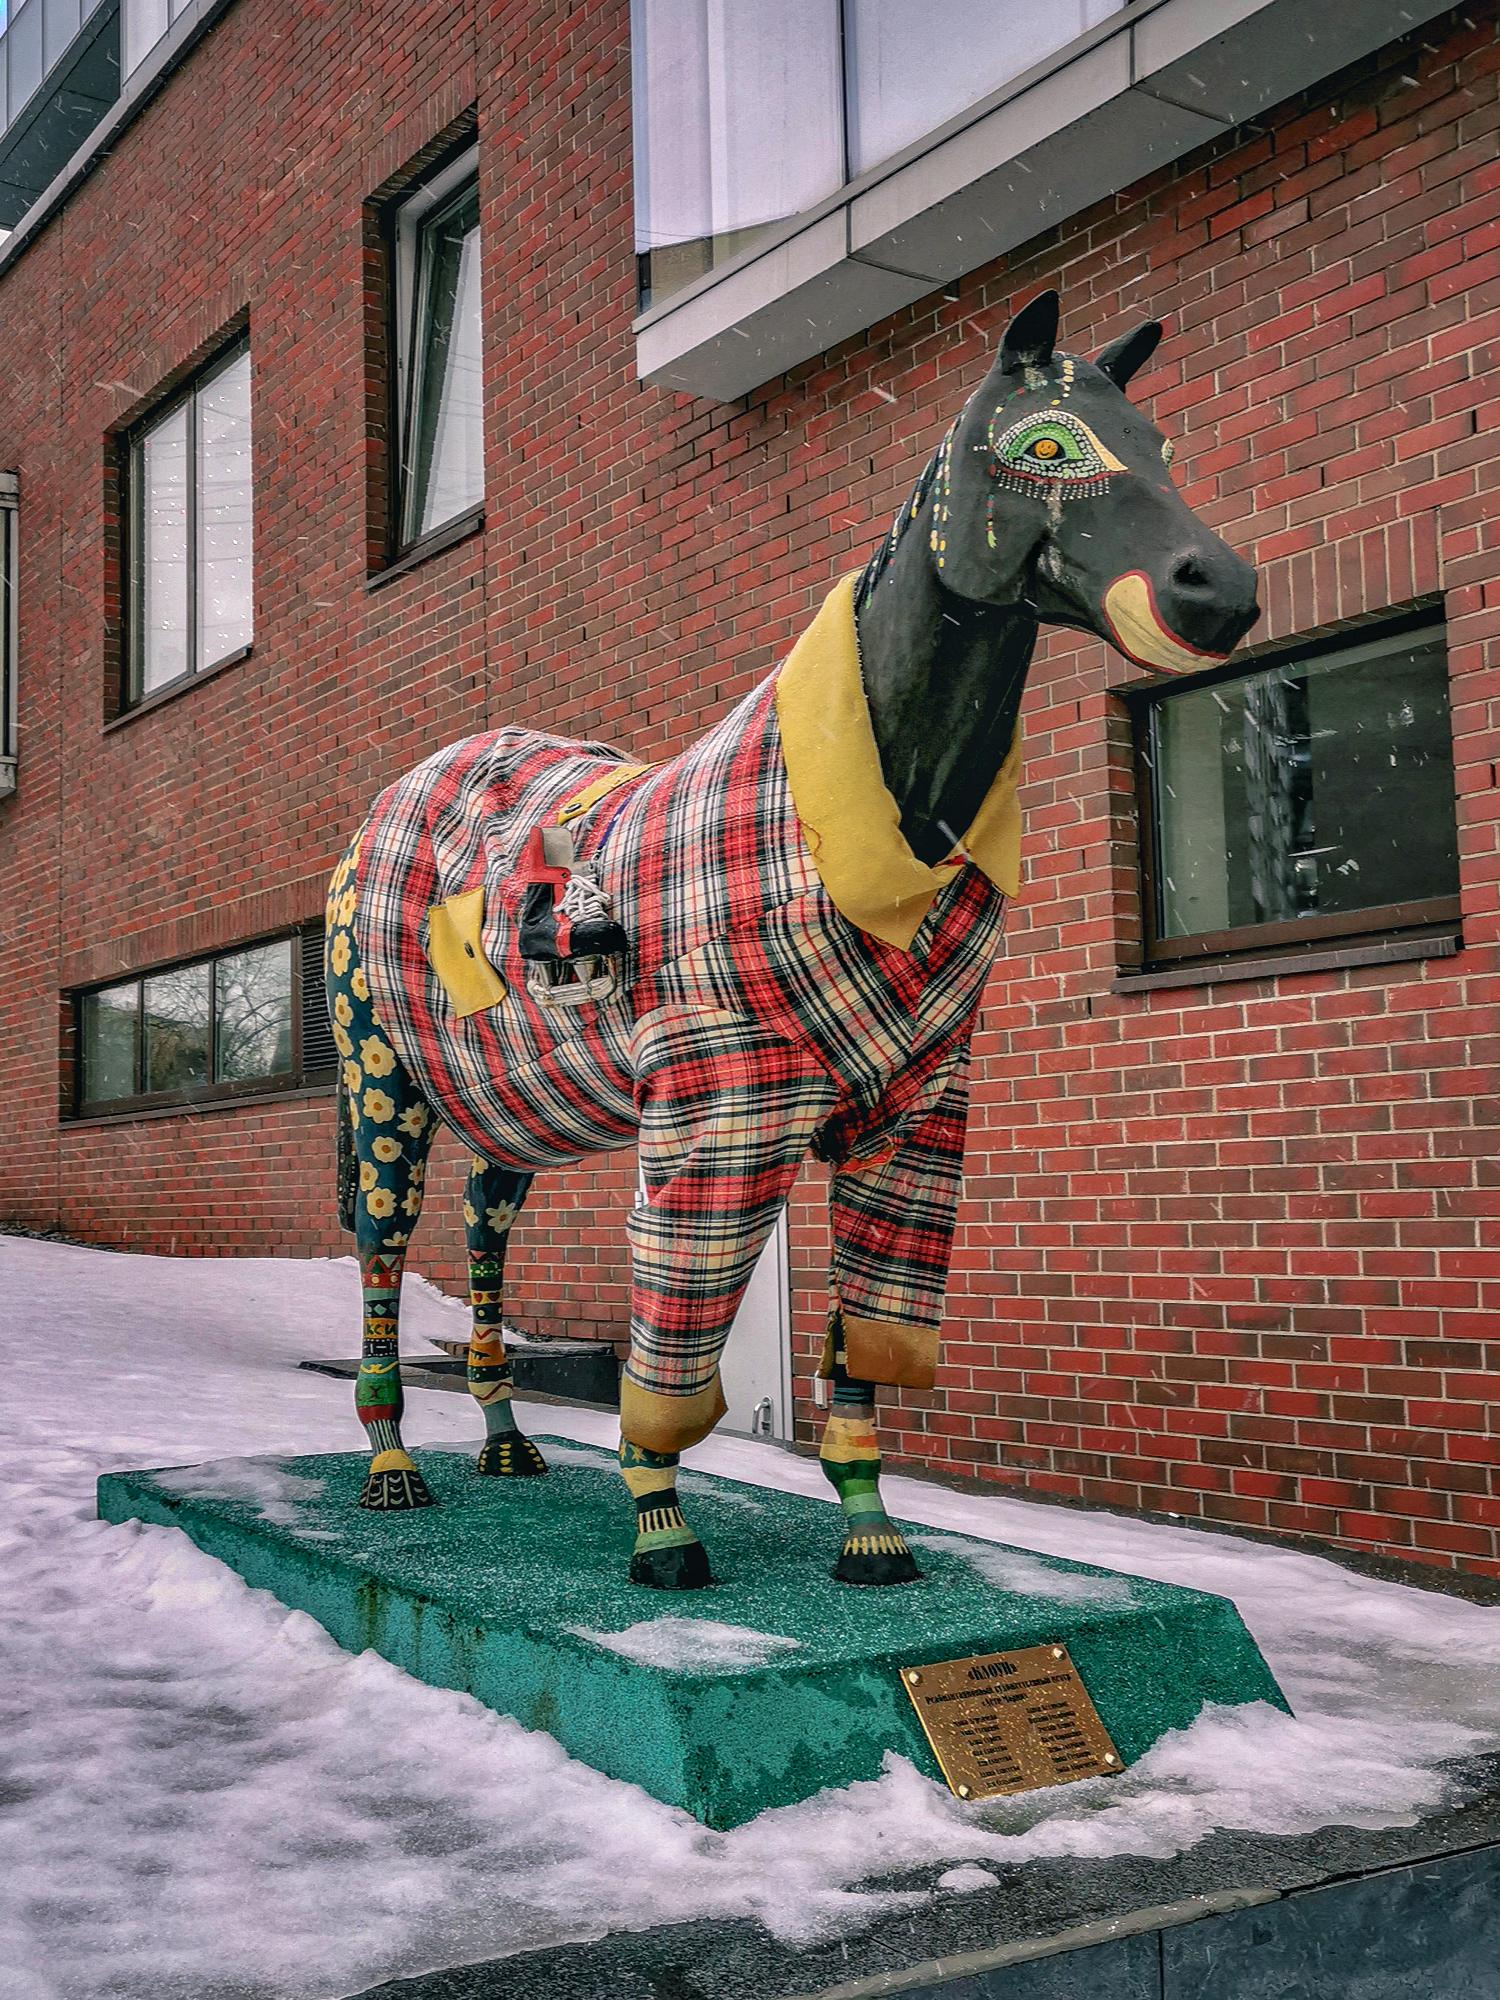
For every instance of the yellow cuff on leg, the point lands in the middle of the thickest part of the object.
(668, 1423)
(890, 1351)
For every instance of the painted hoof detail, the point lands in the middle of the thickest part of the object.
(395, 1492)
(684, 1567)
(876, 1558)
(511, 1457)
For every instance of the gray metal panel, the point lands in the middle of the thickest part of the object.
(1232, 58)
(1034, 187)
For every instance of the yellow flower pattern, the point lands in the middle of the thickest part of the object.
(377, 1055)
(386, 1150)
(343, 1013)
(377, 1107)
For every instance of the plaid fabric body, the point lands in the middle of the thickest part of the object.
(754, 1021)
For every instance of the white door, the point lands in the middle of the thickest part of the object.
(757, 1364)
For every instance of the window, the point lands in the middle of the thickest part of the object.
(237, 1024)
(440, 386)
(189, 539)
(1310, 798)
(747, 115)
(10, 488)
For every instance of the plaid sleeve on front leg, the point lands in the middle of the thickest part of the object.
(727, 1115)
(893, 1220)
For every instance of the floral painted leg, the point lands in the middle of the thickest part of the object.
(492, 1201)
(667, 1554)
(392, 1129)
(874, 1549)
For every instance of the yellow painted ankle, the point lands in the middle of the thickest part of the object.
(392, 1461)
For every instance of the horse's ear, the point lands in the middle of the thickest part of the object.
(1131, 351)
(1031, 335)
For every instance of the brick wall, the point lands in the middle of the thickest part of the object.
(1226, 1250)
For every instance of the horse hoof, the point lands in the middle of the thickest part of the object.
(880, 1558)
(395, 1492)
(682, 1568)
(511, 1456)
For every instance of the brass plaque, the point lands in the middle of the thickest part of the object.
(1010, 1722)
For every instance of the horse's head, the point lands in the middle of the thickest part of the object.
(1053, 489)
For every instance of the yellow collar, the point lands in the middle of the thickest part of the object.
(850, 821)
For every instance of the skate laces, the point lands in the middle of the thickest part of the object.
(583, 901)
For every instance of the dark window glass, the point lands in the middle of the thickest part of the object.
(253, 1010)
(190, 553)
(108, 1038)
(1305, 793)
(205, 1030)
(443, 431)
(176, 1018)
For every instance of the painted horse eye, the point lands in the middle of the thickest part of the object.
(1055, 445)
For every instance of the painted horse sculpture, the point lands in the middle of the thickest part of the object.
(775, 944)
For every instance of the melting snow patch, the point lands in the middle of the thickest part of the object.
(964, 1880)
(261, 1481)
(1027, 1576)
(690, 1643)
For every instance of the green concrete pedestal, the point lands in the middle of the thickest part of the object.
(515, 1591)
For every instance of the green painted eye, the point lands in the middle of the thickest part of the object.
(1052, 445)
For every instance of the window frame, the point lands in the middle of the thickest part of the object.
(301, 940)
(10, 627)
(1283, 937)
(408, 214)
(134, 696)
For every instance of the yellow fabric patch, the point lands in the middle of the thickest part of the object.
(891, 1352)
(455, 951)
(668, 1423)
(851, 823)
(579, 803)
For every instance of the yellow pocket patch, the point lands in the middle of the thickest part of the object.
(455, 951)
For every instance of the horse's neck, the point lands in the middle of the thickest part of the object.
(943, 679)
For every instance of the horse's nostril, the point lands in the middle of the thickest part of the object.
(1188, 574)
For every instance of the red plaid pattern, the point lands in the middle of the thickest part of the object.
(754, 1021)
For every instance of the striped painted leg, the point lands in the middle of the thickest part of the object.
(874, 1549)
(667, 1554)
(393, 1483)
(492, 1201)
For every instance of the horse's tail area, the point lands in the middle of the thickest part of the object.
(346, 1171)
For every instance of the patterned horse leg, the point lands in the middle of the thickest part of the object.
(874, 1549)
(726, 1123)
(391, 1127)
(492, 1201)
(893, 1221)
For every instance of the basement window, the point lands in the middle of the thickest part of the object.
(188, 537)
(1307, 800)
(9, 521)
(439, 354)
(237, 1024)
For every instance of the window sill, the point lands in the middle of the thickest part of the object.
(447, 537)
(272, 1094)
(1277, 964)
(175, 689)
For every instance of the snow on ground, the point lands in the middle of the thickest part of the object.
(202, 1798)
(691, 1643)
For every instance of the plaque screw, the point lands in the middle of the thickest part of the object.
(1057, 1652)
(913, 1676)
(1109, 1757)
(963, 1791)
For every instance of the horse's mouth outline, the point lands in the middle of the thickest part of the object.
(1143, 635)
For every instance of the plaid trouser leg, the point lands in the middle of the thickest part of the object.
(893, 1222)
(727, 1117)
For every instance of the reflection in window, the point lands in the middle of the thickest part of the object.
(909, 69)
(738, 124)
(441, 353)
(175, 1017)
(253, 1010)
(108, 1023)
(1313, 790)
(190, 552)
(195, 1030)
